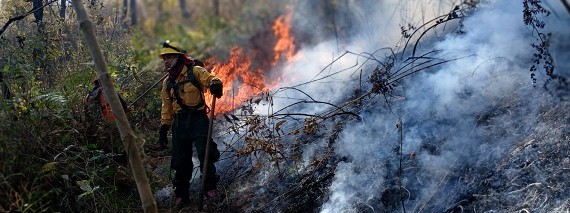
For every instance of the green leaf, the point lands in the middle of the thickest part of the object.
(91, 146)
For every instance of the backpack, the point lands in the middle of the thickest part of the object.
(190, 78)
(96, 96)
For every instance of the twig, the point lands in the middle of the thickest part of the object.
(432, 65)
(20, 17)
(306, 102)
(314, 79)
(401, 129)
(432, 27)
(425, 24)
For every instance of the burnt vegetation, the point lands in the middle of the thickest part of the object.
(479, 194)
(532, 14)
(54, 158)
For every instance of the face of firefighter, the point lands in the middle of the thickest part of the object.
(170, 60)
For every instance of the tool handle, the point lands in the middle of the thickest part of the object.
(145, 92)
(206, 155)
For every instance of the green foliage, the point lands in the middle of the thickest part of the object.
(48, 145)
(55, 157)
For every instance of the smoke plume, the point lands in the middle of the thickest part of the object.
(442, 134)
(459, 119)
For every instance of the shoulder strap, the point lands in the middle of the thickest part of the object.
(192, 79)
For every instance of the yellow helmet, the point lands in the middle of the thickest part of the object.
(169, 47)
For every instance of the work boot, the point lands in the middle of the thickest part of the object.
(181, 203)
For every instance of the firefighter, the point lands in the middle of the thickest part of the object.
(96, 97)
(184, 109)
(100, 121)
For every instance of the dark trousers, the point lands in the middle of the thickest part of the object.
(190, 128)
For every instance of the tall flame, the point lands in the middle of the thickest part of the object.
(285, 40)
(241, 81)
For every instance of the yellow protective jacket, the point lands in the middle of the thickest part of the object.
(189, 94)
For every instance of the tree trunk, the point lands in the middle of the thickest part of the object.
(217, 7)
(185, 13)
(63, 9)
(39, 51)
(39, 10)
(131, 142)
(133, 7)
(124, 12)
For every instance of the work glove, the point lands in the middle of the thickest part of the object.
(216, 88)
(162, 139)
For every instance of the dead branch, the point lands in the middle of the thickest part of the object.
(438, 20)
(305, 102)
(20, 17)
(130, 140)
(406, 73)
(370, 56)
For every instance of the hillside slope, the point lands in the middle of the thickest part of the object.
(470, 134)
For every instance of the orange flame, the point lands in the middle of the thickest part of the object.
(241, 82)
(285, 40)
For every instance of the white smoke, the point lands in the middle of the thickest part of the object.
(443, 107)
(327, 70)
(459, 118)
(329, 78)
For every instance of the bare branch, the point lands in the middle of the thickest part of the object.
(439, 20)
(20, 17)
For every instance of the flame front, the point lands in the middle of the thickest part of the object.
(241, 82)
(285, 40)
